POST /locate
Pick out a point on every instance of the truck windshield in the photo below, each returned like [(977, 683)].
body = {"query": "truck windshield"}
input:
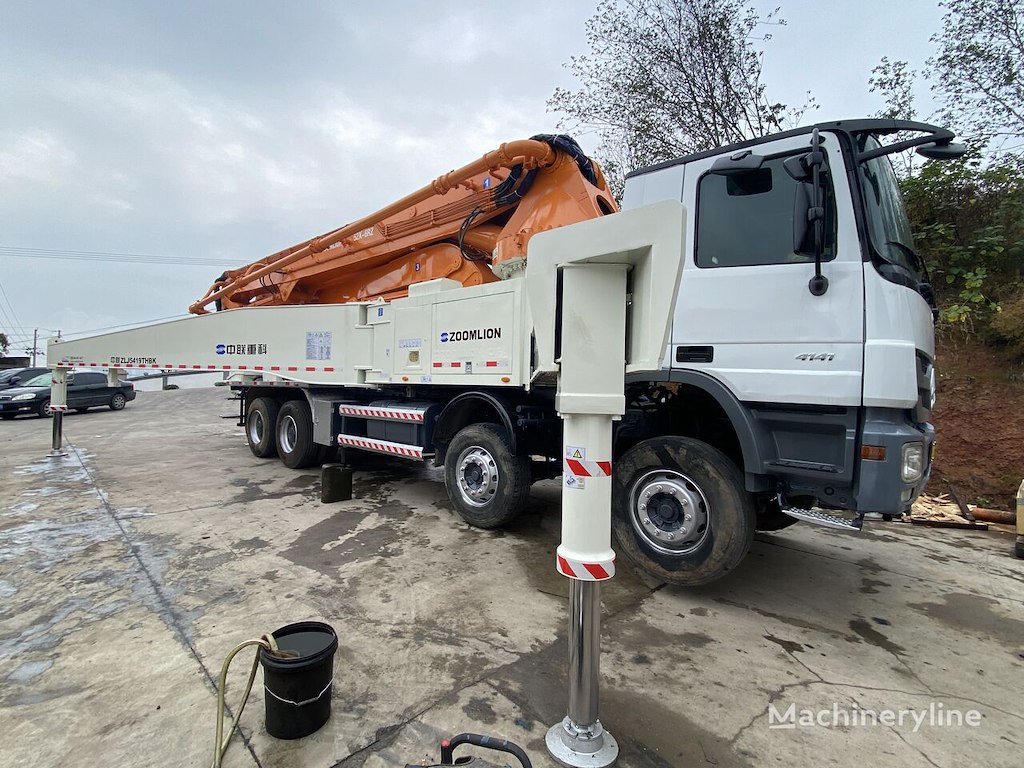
[(888, 226)]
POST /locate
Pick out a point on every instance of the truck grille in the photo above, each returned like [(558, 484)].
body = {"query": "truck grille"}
[(925, 386)]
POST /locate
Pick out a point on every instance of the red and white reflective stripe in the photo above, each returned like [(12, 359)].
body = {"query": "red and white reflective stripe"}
[(381, 446), (195, 367), (581, 571), (397, 414), (582, 468), (58, 407)]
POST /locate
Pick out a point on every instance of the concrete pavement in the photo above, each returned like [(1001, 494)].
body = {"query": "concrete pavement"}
[(129, 569)]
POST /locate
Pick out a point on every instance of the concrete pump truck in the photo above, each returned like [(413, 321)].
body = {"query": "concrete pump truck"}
[(779, 360)]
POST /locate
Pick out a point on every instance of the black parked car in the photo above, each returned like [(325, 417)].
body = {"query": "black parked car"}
[(15, 377), (86, 389)]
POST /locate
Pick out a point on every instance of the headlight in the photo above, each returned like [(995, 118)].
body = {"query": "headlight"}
[(912, 464), (26, 396)]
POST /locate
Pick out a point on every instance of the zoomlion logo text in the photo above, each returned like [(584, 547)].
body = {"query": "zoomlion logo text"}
[(476, 334)]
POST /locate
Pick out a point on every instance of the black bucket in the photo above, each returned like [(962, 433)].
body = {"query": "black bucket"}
[(298, 689)]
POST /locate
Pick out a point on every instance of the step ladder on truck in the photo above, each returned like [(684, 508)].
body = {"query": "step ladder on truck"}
[(777, 354)]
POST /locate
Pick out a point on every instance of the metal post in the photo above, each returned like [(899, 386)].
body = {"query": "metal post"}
[(58, 434), (584, 650)]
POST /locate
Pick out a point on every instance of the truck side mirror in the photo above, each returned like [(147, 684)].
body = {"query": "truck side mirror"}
[(942, 151)]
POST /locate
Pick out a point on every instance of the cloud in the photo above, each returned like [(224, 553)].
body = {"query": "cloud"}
[(35, 159), (234, 130)]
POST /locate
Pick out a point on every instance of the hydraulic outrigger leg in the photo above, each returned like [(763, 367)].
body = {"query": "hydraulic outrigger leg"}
[(590, 396), (58, 404)]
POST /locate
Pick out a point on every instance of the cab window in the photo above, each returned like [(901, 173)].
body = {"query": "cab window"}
[(747, 219)]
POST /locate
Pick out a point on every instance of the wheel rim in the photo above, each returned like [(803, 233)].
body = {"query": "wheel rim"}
[(477, 474), (257, 427), (670, 512), (46, 410), (288, 433), (119, 401)]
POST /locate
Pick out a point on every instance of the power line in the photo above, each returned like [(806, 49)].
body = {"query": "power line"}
[(113, 256), (12, 318)]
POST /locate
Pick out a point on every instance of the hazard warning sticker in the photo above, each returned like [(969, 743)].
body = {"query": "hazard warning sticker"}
[(575, 452)]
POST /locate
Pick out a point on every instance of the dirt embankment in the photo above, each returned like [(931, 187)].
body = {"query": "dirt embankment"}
[(979, 419)]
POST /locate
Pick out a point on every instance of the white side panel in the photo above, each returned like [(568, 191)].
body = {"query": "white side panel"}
[(666, 184), (468, 335), (890, 353), (772, 340), (322, 344)]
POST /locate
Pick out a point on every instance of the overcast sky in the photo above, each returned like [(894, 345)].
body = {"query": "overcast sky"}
[(228, 130)]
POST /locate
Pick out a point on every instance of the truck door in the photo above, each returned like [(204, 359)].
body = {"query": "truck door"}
[(745, 314)]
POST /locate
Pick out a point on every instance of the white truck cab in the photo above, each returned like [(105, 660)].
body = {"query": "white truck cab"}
[(825, 391)]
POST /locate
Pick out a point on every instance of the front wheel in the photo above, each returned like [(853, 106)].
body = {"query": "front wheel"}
[(44, 409), (680, 511), (294, 431), (488, 484)]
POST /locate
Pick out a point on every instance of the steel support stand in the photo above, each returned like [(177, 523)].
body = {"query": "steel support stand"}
[(58, 435), (580, 739), (590, 397), (58, 403)]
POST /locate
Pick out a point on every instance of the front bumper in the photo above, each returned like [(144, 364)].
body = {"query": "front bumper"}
[(879, 486), (21, 406)]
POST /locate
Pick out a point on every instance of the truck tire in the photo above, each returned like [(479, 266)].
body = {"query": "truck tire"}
[(680, 511), (488, 485), (294, 434), (260, 423)]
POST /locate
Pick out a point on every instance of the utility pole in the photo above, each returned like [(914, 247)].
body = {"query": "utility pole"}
[(35, 345)]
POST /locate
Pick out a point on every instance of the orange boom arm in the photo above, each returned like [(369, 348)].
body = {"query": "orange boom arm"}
[(471, 225)]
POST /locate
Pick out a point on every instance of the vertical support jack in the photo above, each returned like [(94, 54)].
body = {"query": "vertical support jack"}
[(58, 404), (590, 396), (580, 739), (57, 448)]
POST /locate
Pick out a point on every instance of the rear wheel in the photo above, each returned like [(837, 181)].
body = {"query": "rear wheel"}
[(294, 432), (260, 419), (117, 401), (488, 484), (680, 511)]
